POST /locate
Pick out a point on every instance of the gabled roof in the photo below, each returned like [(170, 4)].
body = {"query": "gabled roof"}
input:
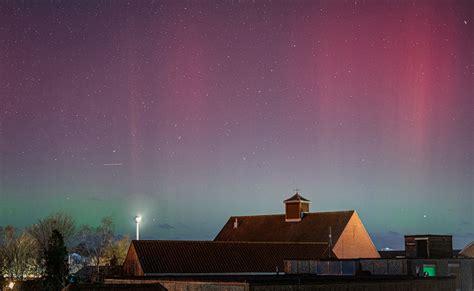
[(296, 198), (207, 257), (467, 251), (313, 227)]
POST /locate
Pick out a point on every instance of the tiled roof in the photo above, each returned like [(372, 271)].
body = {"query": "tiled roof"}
[(296, 197), (313, 227), (166, 257)]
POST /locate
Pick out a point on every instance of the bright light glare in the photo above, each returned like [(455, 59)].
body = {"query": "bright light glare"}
[(138, 219)]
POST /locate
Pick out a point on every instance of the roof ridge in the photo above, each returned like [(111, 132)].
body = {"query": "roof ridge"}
[(332, 211), (227, 242), (273, 242), (282, 214)]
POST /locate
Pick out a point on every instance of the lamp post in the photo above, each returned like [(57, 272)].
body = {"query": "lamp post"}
[(138, 219)]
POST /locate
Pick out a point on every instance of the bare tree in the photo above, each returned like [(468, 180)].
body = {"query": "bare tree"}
[(26, 262), (42, 232), (117, 251), (18, 254), (7, 245), (94, 242), (2, 255), (43, 229)]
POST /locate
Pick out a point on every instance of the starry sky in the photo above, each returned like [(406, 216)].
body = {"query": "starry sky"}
[(187, 112)]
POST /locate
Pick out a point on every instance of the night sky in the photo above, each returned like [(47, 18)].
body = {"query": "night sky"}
[(187, 112)]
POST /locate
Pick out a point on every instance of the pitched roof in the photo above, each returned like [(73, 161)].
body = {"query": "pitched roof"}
[(167, 257), (313, 227), (296, 197), (468, 251)]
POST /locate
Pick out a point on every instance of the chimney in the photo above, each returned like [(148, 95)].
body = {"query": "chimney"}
[(295, 208), (236, 223)]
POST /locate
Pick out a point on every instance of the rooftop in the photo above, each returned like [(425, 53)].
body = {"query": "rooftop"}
[(296, 198), (209, 257), (428, 235), (313, 227)]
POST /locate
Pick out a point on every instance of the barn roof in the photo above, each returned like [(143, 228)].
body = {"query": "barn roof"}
[(199, 257), (313, 227)]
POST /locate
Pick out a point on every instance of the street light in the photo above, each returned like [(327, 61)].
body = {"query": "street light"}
[(138, 219)]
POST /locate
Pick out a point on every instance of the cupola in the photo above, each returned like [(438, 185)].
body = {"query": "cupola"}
[(295, 207)]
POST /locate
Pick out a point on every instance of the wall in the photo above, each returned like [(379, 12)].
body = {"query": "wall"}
[(335, 284), (204, 286), (131, 265), (292, 210), (449, 267), (395, 267), (183, 285), (355, 241), (462, 270), (444, 284)]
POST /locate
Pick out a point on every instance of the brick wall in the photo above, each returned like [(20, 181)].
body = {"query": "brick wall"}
[(355, 241), (131, 265)]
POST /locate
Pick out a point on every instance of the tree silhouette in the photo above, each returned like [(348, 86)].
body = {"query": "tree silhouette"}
[(56, 266)]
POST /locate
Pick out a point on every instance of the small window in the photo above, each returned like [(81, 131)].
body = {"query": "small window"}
[(429, 270)]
